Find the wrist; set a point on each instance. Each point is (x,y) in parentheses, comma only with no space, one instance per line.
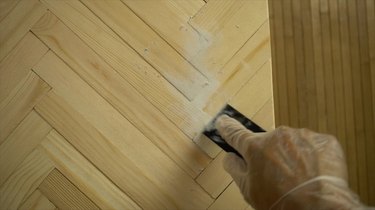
(323,193)
(335,196)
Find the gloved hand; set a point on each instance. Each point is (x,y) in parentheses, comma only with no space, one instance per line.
(287,168)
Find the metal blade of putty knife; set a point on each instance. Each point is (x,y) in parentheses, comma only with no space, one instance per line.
(211,132)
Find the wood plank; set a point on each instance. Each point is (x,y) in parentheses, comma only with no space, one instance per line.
(275,82)
(278,46)
(37,201)
(300,72)
(104,137)
(358,101)
(231,198)
(327,78)
(371,34)
(58,189)
(237,71)
(149,45)
(176,31)
(20,143)
(336,85)
(127,63)
(6,6)
(370,145)
(212,16)
(349,100)
(16,66)
(17,23)
(319,66)
(337,74)
(308,46)
(28,93)
(130,103)
(77,169)
(65,83)
(190,8)
(223,45)
(25,180)
(265,117)
(290,64)
(214,179)
(255,93)
(367,96)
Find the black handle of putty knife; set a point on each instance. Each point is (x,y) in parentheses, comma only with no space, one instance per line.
(214,135)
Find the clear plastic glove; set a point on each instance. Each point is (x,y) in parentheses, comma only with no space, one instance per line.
(287,168)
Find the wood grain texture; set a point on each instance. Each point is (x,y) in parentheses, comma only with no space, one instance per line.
(37,201)
(112,139)
(116,130)
(25,180)
(27,93)
(6,7)
(370,6)
(231,198)
(149,45)
(58,189)
(132,105)
(211,17)
(223,27)
(359,127)
(338,84)
(20,143)
(109,94)
(349,109)
(16,66)
(214,179)
(325,50)
(126,62)
(123,96)
(265,116)
(179,34)
(237,71)
(84,175)
(255,93)
(17,23)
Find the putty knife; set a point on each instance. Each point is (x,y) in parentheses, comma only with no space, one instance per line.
(211,132)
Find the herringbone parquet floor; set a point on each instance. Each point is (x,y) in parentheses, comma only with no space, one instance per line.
(102,102)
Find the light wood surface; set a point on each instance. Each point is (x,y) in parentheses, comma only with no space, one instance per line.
(24,180)
(29,133)
(112,96)
(221,33)
(18,22)
(150,46)
(102,103)
(37,201)
(26,95)
(85,176)
(60,191)
(323,67)
(125,61)
(214,179)
(231,198)
(170,20)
